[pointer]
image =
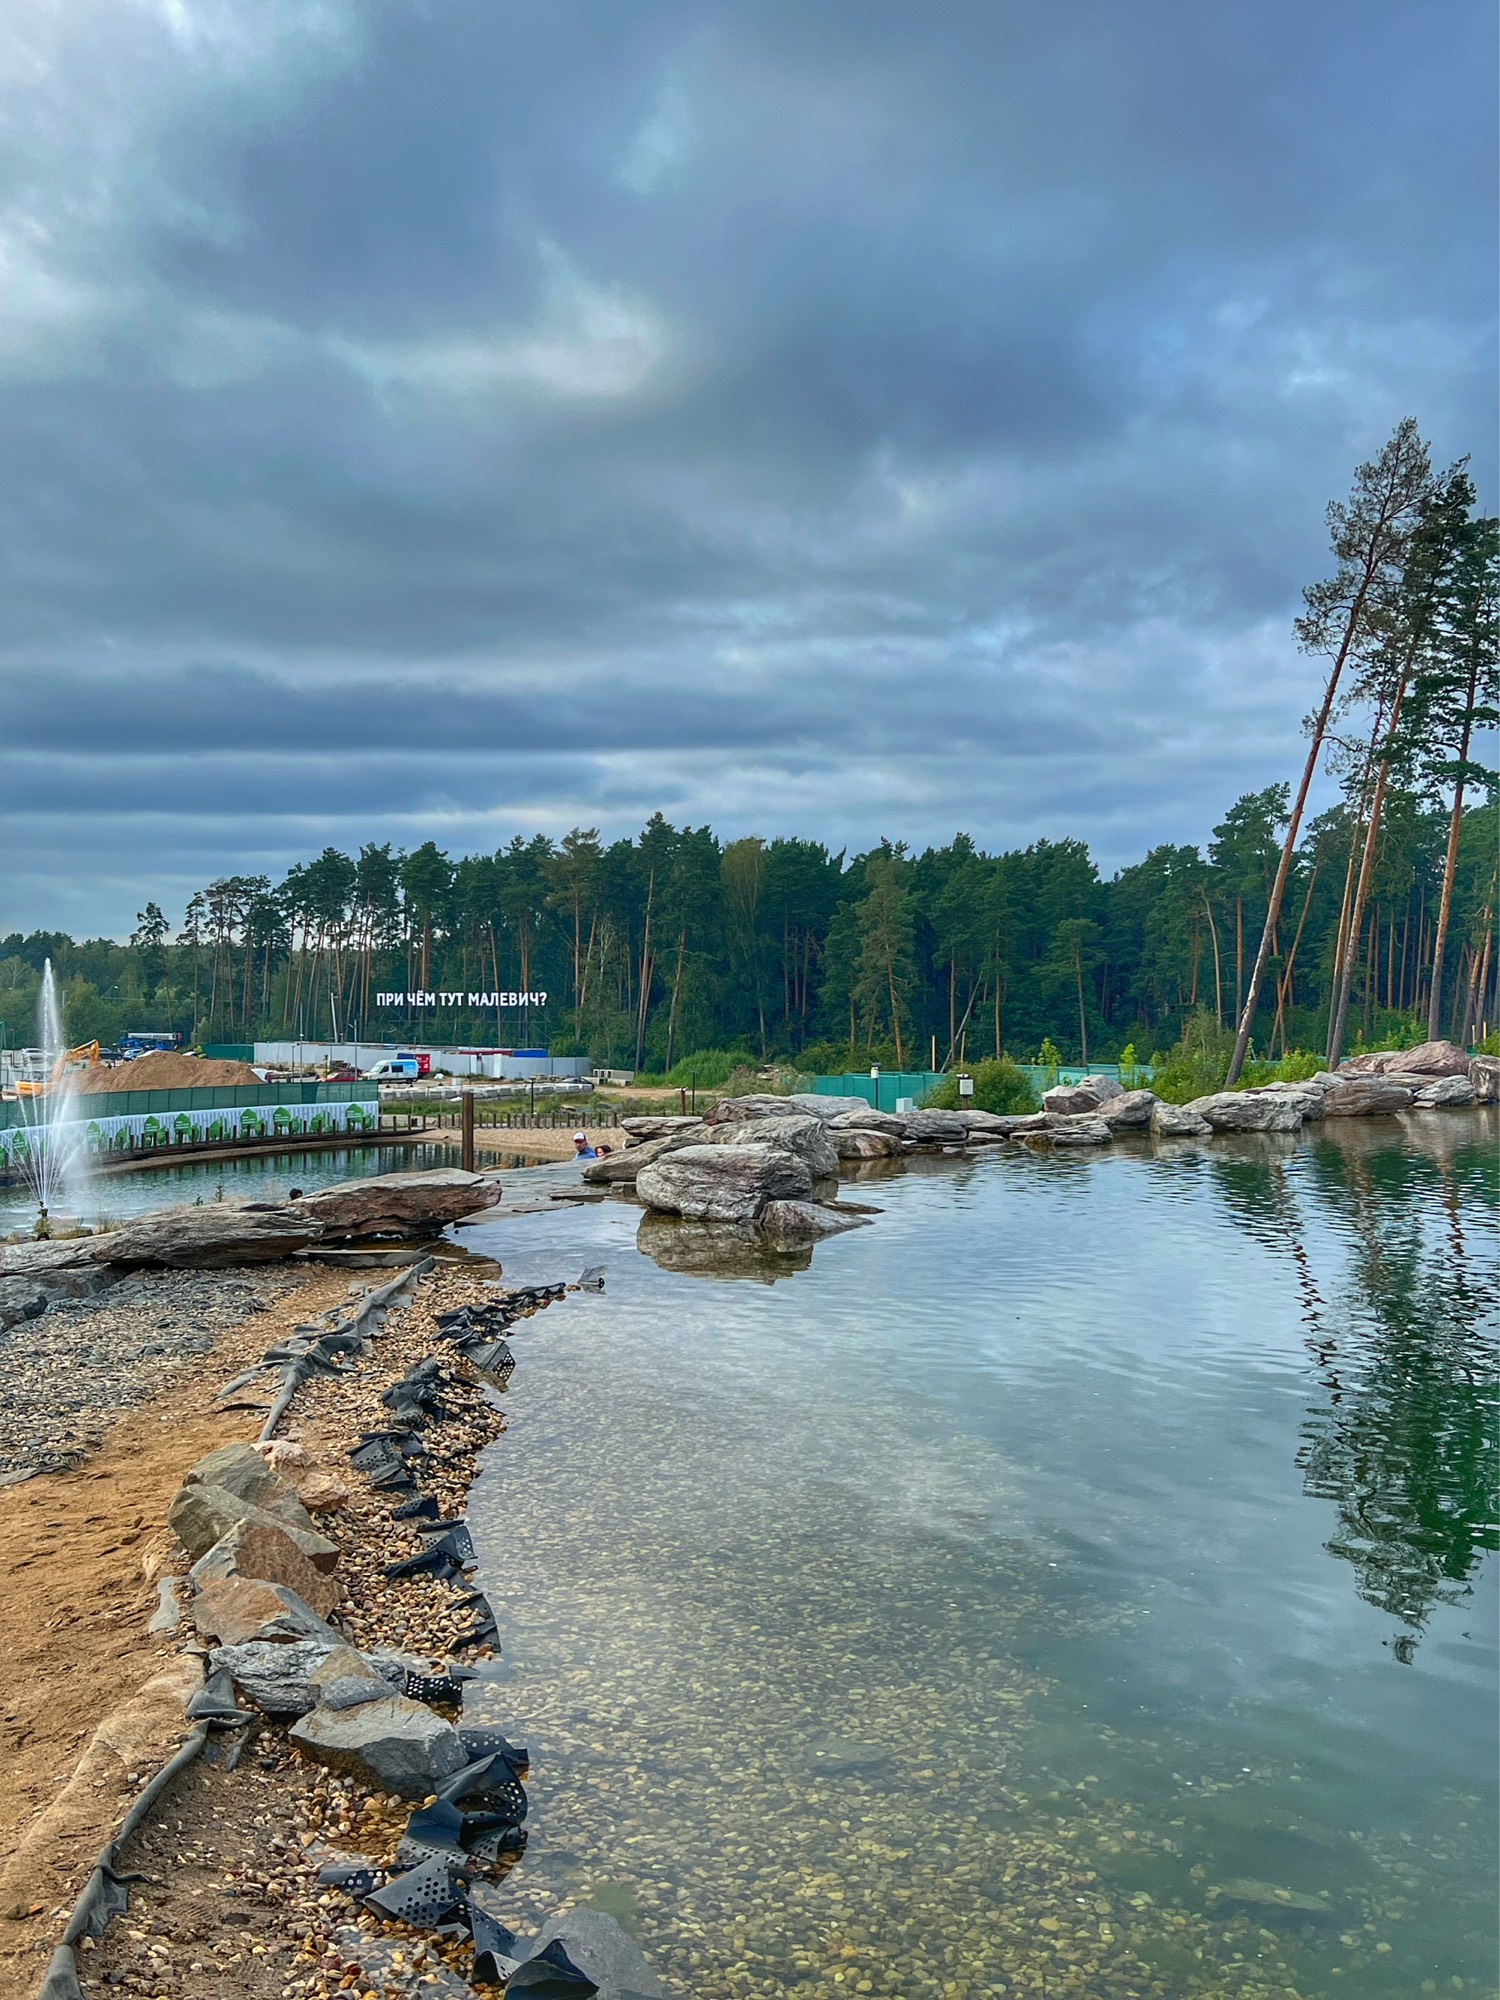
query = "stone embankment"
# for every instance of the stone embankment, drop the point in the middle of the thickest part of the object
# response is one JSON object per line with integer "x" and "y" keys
{"x": 318, "y": 1589}
{"x": 769, "y": 1166}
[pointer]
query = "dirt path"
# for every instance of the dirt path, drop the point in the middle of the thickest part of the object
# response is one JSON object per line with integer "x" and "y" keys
{"x": 75, "y": 1600}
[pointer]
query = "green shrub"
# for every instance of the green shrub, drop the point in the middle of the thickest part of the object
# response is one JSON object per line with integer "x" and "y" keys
{"x": 1195, "y": 1065}
{"x": 708, "y": 1068}
{"x": 998, "y": 1086}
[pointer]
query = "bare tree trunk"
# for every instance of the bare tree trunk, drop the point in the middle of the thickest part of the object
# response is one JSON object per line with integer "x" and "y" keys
{"x": 1284, "y": 983}
{"x": 1450, "y": 867}
{"x": 1339, "y": 1010}
{"x": 1083, "y": 1026}
{"x": 1213, "y": 932}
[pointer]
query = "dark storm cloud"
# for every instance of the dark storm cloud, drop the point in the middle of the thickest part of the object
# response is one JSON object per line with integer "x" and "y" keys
{"x": 854, "y": 420}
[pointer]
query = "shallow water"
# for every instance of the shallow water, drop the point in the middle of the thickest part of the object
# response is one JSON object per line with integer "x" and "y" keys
{"x": 1078, "y": 1583}
{"x": 114, "y": 1196}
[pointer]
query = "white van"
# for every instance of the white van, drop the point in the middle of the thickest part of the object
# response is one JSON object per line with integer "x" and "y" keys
{"x": 392, "y": 1067}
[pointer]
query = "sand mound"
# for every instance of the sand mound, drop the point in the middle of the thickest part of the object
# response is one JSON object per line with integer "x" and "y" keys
{"x": 162, "y": 1072}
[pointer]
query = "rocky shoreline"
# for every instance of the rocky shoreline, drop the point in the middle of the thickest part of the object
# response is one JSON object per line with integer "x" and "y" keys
{"x": 316, "y": 1615}
{"x": 764, "y": 1169}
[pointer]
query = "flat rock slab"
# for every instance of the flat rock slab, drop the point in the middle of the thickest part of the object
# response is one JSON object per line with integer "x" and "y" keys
{"x": 816, "y": 1105}
{"x": 1365, "y": 1096}
{"x": 935, "y": 1128}
{"x": 735, "y": 1110}
{"x": 724, "y": 1183}
{"x": 622, "y": 1167}
{"x": 806, "y": 1221}
{"x": 855, "y": 1143}
{"x": 394, "y": 1744}
{"x": 420, "y": 1203}
{"x": 1248, "y": 1111}
{"x": 1430, "y": 1059}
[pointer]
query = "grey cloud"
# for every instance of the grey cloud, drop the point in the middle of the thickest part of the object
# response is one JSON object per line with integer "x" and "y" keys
{"x": 876, "y": 419}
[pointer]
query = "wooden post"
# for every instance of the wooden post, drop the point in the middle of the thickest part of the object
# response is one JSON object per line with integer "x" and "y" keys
{"x": 466, "y": 1146}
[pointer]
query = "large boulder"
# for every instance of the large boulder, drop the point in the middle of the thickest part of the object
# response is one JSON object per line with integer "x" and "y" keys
{"x": 816, "y": 1105}
{"x": 1429, "y": 1059}
{"x": 236, "y": 1609}
{"x": 1444, "y": 1091}
{"x": 936, "y": 1128}
{"x": 1248, "y": 1111}
{"x": 1088, "y": 1094}
{"x": 278, "y": 1675}
{"x": 391, "y": 1745}
{"x": 730, "y": 1183}
{"x": 660, "y": 1128}
{"x": 1130, "y": 1111}
{"x": 208, "y": 1238}
{"x": 241, "y": 1469}
{"x": 619, "y": 1169}
{"x": 266, "y": 1552}
{"x": 855, "y": 1143}
{"x": 736, "y": 1110}
{"x": 1178, "y": 1121}
{"x": 199, "y": 1516}
{"x": 1365, "y": 1094}
{"x": 421, "y": 1203}
{"x": 594, "y": 1945}
{"x": 865, "y": 1118}
{"x": 808, "y": 1138}
{"x": 806, "y": 1221}
{"x": 1085, "y": 1128}
{"x": 1484, "y": 1074}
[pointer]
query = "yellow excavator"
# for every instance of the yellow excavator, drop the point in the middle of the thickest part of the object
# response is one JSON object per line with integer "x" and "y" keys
{"x": 85, "y": 1056}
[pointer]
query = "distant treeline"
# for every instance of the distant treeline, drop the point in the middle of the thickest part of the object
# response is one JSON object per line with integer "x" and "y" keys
{"x": 1373, "y": 920}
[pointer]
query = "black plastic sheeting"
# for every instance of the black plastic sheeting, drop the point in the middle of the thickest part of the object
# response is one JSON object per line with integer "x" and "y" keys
{"x": 106, "y": 1894}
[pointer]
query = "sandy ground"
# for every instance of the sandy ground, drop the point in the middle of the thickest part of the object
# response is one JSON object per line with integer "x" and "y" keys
{"x": 75, "y": 1602}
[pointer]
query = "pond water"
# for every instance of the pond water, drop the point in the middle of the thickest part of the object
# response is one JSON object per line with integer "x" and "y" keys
{"x": 1079, "y": 1583}
{"x": 261, "y": 1177}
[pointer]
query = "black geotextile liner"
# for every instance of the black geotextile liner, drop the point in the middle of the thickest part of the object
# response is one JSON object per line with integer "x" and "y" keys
{"x": 425, "y": 1896}
{"x": 356, "y": 1879}
{"x": 439, "y": 1690}
{"x": 490, "y": 1786}
{"x": 483, "y": 1742}
{"x": 105, "y": 1894}
{"x": 424, "y": 1508}
{"x": 551, "y": 1975}
{"x": 434, "y": 1829}
{"x": 494, "y": 1943}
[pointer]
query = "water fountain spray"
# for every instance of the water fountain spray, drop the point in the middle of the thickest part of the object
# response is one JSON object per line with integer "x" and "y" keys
{"x": 54, "y": 1160}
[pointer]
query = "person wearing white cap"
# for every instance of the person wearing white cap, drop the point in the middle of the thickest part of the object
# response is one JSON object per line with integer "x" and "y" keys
{"x": 582, "y": 1150}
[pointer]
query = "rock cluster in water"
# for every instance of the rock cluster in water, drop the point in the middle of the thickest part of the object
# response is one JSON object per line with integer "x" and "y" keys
{"x": 768, "y": 1165}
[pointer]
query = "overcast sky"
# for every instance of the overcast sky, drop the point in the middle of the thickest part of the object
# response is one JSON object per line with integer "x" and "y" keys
{"x": 449, "y": 418}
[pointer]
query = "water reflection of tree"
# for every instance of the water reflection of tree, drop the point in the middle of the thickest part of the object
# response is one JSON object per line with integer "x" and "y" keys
{"x": 1404, "y": 1444}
